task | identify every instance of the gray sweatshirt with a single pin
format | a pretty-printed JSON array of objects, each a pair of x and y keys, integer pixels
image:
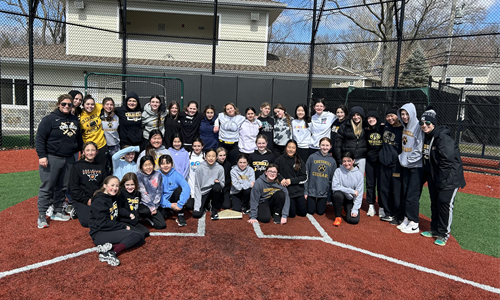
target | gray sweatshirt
[
  {"x": 241, "y": 179},
  {"x": 348, "y": 182},
  {"x": 413, "y": 139},
  {"x": 204, "y": 179},
  {"x": 262, "y": 191},
  {"x": 150, "y": 121},
  {"x": 319, "y": 171}
]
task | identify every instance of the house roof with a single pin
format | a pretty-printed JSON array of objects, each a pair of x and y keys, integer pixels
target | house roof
[
  {"x": 462, "y": 71},
  {"x": 56, "y": 54},
  {"x": 362, "y": 74}
]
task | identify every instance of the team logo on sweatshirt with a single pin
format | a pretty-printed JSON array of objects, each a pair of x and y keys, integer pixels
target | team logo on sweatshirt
[
  {"x": 92, "y": 174},
  {"x": 68, "y": 128},
  {"x": 133, "y": 203},
  {"x": 113, "y": 211},
  {"x": 321, "y": 168},
  {"x": 133, "y": 116},
  {"x": 375, "y": 139},
  {"x": 405, "y": 140}
]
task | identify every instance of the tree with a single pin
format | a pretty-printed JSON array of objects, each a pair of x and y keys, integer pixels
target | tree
[{"x": 416, "y": 70}]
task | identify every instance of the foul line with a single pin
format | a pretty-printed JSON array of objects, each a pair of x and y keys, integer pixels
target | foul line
[
  {"x": 200, "y": 232},
  {"x": 327, "y": 239}
]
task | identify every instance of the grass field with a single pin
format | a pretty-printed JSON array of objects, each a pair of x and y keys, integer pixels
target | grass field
[
  {"x": 10, "y": 141},
  {"x": 475, "y": 224}
]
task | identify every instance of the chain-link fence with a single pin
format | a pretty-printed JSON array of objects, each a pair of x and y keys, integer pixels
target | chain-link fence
[{"x": 47, "y": 48}]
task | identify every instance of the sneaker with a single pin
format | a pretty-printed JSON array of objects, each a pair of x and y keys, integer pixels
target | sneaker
[
  {"x": 214, "y": 215},
  {"x": 50, "y": 211},
  {"x": 42, "y": 222},
  {"x": 386, "y": 218},
  {"x": 395, "y": 221},
  {"x": 403, "y": 224},
  {"x": 71, "y": 211},
  {"x": 429, "y": 233},
  {"x": 337, "y": 221},
  {"x": 59, "y": 216},
  {"x": 150, "y": 221},
  {"x": 110, "y": 258},
  {"x": 104, "y": 247},
  {"x": 245, "y": 210},
  {"x": 329, "y": 203},
  {"x": 412, "y": 227},
  {"x": 371, "y": 210},
  {"x": 181, "y": 221},
  {"x": 277, "y": 218},
  {"x": 381, "y": 212},
  {"x": 440, "y": 241}
]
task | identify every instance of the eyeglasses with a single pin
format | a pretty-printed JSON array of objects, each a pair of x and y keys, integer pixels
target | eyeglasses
[
  {"x": 63, "y": 104},
  {"x": 272, "y": 172},
  {"x": 428, "y": 123}
]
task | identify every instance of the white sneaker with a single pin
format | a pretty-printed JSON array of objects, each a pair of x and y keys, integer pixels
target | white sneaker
[
  {"x": 50, "y": 211},
  {"x": 412, "y": 227},
  {"x": 403, "y": 224},
  {"x": 381, "y": 212},
  {"x": 371, "y": 210}
]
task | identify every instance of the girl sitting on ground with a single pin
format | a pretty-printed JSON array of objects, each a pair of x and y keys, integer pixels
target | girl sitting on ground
[
  {"x": 122, "y": 166},
  {"x": 242, "y": 179},
  {"x": 222, "y": 160},
  {"x": 110, "y": 236},
  {"x": 179, "y": 155},
  {"x": 86, "y": 177},
  {"x": 269, "y": 199},
  {"x": 155, "y": 148},
  {"x": 347, "y": 187},
  {"x": 128, "y": 203},
  {"x": 150, "y": 186}
]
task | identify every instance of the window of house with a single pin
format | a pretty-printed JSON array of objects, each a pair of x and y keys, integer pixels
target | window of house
[
  {"x": 170, "y": 27},
  {"x": 337, "y": 83},
  {"x": 448, "y": 80},
  {"x": 351, "y": 82},
  {"x": 469, "y": 80},
  {"x": 374, "y": 84},
  {"x": 14, "y": 91}
]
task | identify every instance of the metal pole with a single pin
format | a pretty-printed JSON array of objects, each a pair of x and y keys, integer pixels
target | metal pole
[
  {"x": 214, "y": 37},
  {"x": 31, "y": 20},
  {"x": 400, "y": 38},
  {"x": 124, "y": 48},
  {"x": 311, "y": 56},
  {"x": 450, "y": 40}
]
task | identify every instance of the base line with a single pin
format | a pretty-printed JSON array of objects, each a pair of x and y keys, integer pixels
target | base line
[{"x": 200, "y": 232}]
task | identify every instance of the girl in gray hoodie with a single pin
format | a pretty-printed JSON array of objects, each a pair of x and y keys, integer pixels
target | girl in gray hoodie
[{"x": 242, "y": 179}]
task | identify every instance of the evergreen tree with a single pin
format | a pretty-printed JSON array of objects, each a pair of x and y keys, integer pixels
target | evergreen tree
[{"x": 416, "y": 70}]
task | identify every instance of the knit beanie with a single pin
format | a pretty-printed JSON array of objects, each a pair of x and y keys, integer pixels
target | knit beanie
[
  {"x": 73, "y": 93},
  {"x": 429, "y": 115},
  {"x": 392, "y": 110}
]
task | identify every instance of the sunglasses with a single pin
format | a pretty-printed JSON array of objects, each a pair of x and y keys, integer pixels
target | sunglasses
[
  {"x": 428, "y": 123},
  {"x": 63, "y": 104}
]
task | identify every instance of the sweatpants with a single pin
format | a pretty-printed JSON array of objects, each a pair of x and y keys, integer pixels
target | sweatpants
[
  {"x": 241, "y": 199},
  {"x": 303, "y": 153},
  {"x": 372, "y": 171},
  {"x": 272, "y": 205},
  {"x": 82, "y": 213},
  {"x": 316, "y": 205},
  {"x": 217, "y": 200},
  {"x": 339, "y": 200},
  {"x": 140, "y": 228},
  {"x": 442, "y": 203},
  {"x": 413, "y": 181},
  {"x": 55, "y": 179},
  {"x": 129, "y": 238},
  {"x": 391, "y": 191},
  {"x": 298, "y": 207},
  {"x": 158, "y": 219}
]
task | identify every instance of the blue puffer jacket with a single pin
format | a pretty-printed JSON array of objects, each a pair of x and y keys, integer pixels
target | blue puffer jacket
[{"x": 210, "y": 139}]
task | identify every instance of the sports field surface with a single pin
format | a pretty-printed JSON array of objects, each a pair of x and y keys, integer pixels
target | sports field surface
[{"x": 307, "y": 258}]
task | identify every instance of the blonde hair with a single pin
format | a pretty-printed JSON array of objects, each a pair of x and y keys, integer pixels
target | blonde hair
[
  {"x": 236, "y": 110},
  {"x": 264, "y": 104},
  {"x": 287, "y": 116}
]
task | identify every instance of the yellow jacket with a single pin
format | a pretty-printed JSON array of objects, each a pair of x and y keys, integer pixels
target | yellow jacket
[{"x": 91, "y": 126}]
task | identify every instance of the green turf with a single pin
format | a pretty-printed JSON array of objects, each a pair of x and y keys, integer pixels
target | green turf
[
  {"x": 11, "y": 141},
  {"x": 17, "y": 187}
]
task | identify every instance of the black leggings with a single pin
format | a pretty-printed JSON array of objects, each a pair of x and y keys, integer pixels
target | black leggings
[
  {"x": 140, "y": 228},
  {"x": 272, "y": 205},
  {"x": 129, "y": 238},
  {"x": 316, "y": 205},
  {"x": 340, "y": 200},
  {"x": 297, "y": 207},
  {"x": 158, "y": 219},
  {"x": 82, "y": 212},
  {"x": 217, "y": 199},
  {"x": 241, "y": 199}
]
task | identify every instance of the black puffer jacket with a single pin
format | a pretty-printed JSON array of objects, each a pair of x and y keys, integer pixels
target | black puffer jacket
[
  {"x": 441, "y": 159},
  {"x": 346, "y": 140}
]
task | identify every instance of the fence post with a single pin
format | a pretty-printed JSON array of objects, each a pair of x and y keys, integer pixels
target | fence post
[
  {"x": 214, "y": 37},
  {"x": 311, "y": 55},
  {"x": 32, "y": 10},
  {"x": 400, "y": 38},
  {"x": 124, "y": 48}
]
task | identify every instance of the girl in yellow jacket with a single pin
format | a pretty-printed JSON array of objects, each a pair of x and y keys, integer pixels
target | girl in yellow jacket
[{"x": 92, "y": 131}]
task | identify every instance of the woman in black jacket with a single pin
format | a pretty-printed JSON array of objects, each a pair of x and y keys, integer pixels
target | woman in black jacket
[
  {"x": 351, "y": 137},
  {"x": 293, "y": 176},
  {"x": 373, "y": 133},
  {"x": 444, "y": 172}
]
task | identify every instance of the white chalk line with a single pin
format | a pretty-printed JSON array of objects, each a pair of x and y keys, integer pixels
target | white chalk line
[
  {"x": 327, "y": 239},
  {"x": 199, "y": 232}
]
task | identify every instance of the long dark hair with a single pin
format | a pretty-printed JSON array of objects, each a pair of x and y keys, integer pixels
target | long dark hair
[
  {"x": 150, "y": 150},
  {"x": 159, "y": 112},
  {"x": 144, "y": 159},
  {"x": 176, "y": 136},
  {"x": 297, "y": 159},
  {"x": 350, "y": 155},
  {"x": 130, "y": 176},
  {"x": 172, "y": 103},
  {"x": 306, "y": 116},
  {"x": 104, "y": 101},
  {"x": 199, "y": 140},
  {"x": 272, "y": 165},
  {"x": 287, "y": 116}
]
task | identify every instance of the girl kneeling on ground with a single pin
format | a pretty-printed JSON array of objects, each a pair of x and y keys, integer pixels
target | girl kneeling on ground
[
  {"x": 150, "y": 186},
  {"x": 242, "y": 179},
  {"x": 110, "y": 236},
  {"x": 269, "y": 199},
  {"x": 347, "y": 186},
  {"x": 128, "y": 203}
]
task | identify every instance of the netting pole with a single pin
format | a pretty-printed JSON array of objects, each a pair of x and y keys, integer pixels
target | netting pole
[
  {"x": 31, "y": 20},
  {"x": 399, "y": 29},
  {"x": 124, "y": 48},
  {"x": 1, "y": 122},
  {"x": 214, "y": 37},
  {"x": 311, "y": 55}
]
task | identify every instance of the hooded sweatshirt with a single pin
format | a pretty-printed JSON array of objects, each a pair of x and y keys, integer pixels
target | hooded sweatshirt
[
  {"x": 111, "y": 129},
  {"x": 171, "y": 181},
  {"x": 413, "y": 137},
  {"x": 181, "y": 161},
  {"x": 247, "y": 135},
  {"x": 301, "y": 133},
  {"x": 320, "y": 127},
  {"x": 150, "y": 187},
  {"x": 171, "y": 127},
  {"x": 104, "y": 214},
  {"x": 267, "y": 129},
  {"x": 320, "y": 171},
  {"x": 259, "y": 161},
  {"x": 286, "y": 165},
  {"x": 282, "y": 132},
  {"x": 229, "y": 127},
  {"x": 150, "y": 120},
  {"x": 190, "y": 126},
  {"x": 58, "y": 134},
  {"x": 335, "y": 128},
  {"x": 91, "y": 126},
  {"x": 348, "y": 182},
  {"x": 130, "y": 128},
  {"x": 241, "y": 179},
  {"x": 120, "y": 166},
  {"x": 261, "y": 192},
  {"x": 347, "y": 140},
  {"x": 204, "y": 180},
  {"x": 128, "y": 203},
  {"x": 159, "y": 152},
  {"x": 85, "y": 178},
  {"x": 391, "y": 145},
  {"x": 209, "y": 137},
  {"x": 373, "y": 136},
  {"x": 194, "y": 162}
]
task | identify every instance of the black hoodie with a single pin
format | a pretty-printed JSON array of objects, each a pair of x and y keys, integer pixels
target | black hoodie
[
  {"x": 103, "y": 214},
  {"x": 130, "y": 128},
  {"x": 259, "y": 161},
  {"x": 58, "y": 134},
  {"x": 346, "y": 140},
  {"x": 190, "y": 126},
  {"x": 286, "y": 165},
  {"x": 441, "y": 159},
  {"x": 85, "y": 178},
  {"x": 373, "y": 136},
  {"x": 128, "y": 204},
  {"x": 391, "y": 145}
]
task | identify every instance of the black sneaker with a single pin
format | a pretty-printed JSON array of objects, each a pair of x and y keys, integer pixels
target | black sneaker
[
  {"x": 215, "y": 215},
  {"x": 110, "y": 258},
  {"x": 180, "y": 220},
  {"x": 245, "y": 210},
  {"x": 387, "y": 218},
  {"x": 395, "y": 221},
  {"x": 277, "y": 218}
]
